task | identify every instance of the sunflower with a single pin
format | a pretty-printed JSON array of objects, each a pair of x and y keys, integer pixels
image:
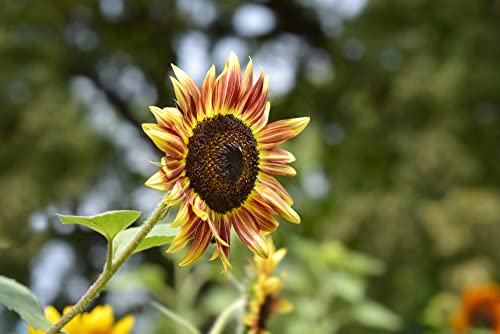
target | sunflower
[
  {"x": 220, "y": 159},
  {"x": 266, "y": 290},
  {"x": 98, "y": 321},
  {"x": 480, "y": 309}
]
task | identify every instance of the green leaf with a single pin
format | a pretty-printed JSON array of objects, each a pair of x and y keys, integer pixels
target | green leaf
[
  {"x": 375, "y": 315},
  {"x": 20, "y": 299},
  {"x": 344, "y": 285},
  {"x": 151, "y": 277},
  {"x": 109, "y": 223},
  {"x": 160, "y": 235}
]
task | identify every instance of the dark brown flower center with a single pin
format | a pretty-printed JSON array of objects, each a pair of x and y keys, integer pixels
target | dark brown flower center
[
  {"x": 483, "y": 317},
  {"x": 265, "y": 311},
  {"x": 222, "y": 162}
]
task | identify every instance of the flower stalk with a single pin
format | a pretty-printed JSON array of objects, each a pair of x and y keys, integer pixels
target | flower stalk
[
  {"x": 226, "y": 315},
  {"x": 111, "y": 267}
]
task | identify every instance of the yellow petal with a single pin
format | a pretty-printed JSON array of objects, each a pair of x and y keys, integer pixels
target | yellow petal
[
  {"x": 75, "y": 326},
  {"x": 52, "y": 314},
  {"x": 124, "y": 326},
  {"x": 99, "y": 320},
  {"x": 31, "y": 330},
  {"x": 159, "y": 181},
  {"x": 182, "y": 216},
  {"x": 200, "y": 207},
  {"x": 282, "y": 306}
]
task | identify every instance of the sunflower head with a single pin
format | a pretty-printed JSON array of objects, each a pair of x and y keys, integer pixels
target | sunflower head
[
  {"x": 480, "y": 308},
  {"x": 265, "y": 299},
  {"x": 220, "y": 159},
  {"x": 98, "y": 321}
]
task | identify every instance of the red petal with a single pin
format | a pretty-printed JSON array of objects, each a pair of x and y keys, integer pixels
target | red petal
[
  {"x": 263, "y": 216},
  {"x": 214, "y": 228},
  {"x": 277, "y": 204},
  {"x": 185, "y": 234},
  {"x": 276, "y": 168},
  {"x": 170, "y": 118},
  {"x": 277, "y": 155},
  {"x": 166, "y": 140},
  {"x": 227, "y": 86},
  {"x": 198, "y": 245},
  {"x": 260, "y": 122},
  {"x": 253, "y": 104},
  {"x": 187, "y": 103},
  {"x": 160, "y": 181},
  {"x": 272, "y": 183},
  {"x": 172, "y": 167},
  {"x": 246, "y": 228},
  {"x": 178, "y": 191},
  {"x": 207, "y": 91},
  {"x": 187, "y": 83},
  {"x": 280, "y": 131},
  {"x": 247, "y": 82}
]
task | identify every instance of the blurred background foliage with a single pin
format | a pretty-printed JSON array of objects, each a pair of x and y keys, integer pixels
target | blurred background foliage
[{"x": 398, "y": 184}]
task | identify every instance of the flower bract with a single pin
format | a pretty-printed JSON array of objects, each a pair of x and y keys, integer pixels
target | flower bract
[{"x": 266, "y": 290}]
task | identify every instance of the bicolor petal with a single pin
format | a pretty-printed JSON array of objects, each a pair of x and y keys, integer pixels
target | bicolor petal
[
  {"x": 246, "y": 228},
  {"x": 280, "y": 131},
  {"x": 279, "y": 205},
  {"x": 198, "y": 245},
  {"x": 277, "y": 168},
  {"x": 166, "y": 140}
]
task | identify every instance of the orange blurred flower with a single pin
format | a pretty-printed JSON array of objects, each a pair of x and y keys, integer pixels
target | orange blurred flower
[{"x": 480, "y": 308}]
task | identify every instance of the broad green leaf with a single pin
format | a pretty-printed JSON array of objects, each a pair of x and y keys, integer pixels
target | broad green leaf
[
  {"x": 109, "y": 223},
  {"x": 160, "y": 235},
  {"x": 20, "y": 299}
]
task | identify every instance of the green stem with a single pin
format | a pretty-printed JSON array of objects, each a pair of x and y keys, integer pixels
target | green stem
[
  {"x": 226, "y": 315},
  {"x": 109, "y": 257},
  {"x": 110, "y": 268},
  {"x": 238, "y": 285},
  {"x": 175, "y": 317}
]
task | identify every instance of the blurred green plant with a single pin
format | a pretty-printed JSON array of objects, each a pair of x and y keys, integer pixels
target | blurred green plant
[{"x": 404, "y": 139}]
